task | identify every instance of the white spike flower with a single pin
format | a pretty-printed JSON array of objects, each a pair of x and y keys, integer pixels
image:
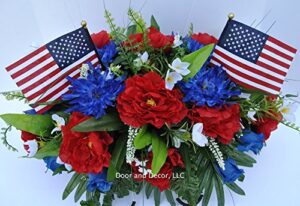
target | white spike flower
[
  {"x": 177, "y": 41},
  {"x": 171, "y": 79},
  {"x": 180, "y": 67},
  {"x": 141, "y": 59},
  {"x": 288, "y": 111}
]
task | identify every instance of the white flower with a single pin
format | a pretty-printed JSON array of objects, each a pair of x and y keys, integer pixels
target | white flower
[
  {"x": 177, "y": 41},
  {"x": 67, "y": 166},
  {"x": 177, "y": 142},
  {"x": 171, "y": 79},
  {"x": 288, "y": 111},
  {"x": 59, "y": 122},
  {"x": 141, "y": 59},
  {"x": 197, "y": 135},
  {"x": 180, "y": 67},
  {"x": 32, "y": 147}
]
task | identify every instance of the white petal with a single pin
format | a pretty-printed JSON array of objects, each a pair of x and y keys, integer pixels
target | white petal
[
  {"x": 68, "y": 167},
  {"x": 176, "y": 62},
  {"x": 59, "y": 161},
  {"x": 32, "y": 147},
  {"x": 197, "y": 135},
  {"x": 144, "y": 57},
  {"x": 59, "y": 120},
  {"x": 177, "y": 142},
  {"x": 56, "y": 129}
]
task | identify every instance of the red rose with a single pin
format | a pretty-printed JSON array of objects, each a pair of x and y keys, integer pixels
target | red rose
[
  {"x": 135, "y": 40},
  {"x": 162, "y": 179},
  {"x": 267, "y": 124},
  {"x": 26, "y": 136},
  {"x": 157, "y": 40},
  {"x": 87, "y": 152},
  {"x": 220, "y": 123},
  {"x": 204, "y": 38},
  {"x": 146, "y": 100},
  {"x": 100, "y": 39}
]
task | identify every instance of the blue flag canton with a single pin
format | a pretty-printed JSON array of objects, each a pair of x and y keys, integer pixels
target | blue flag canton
[
  {"x": 242, "y": 40},
  {"x": 70, "y": 47}
]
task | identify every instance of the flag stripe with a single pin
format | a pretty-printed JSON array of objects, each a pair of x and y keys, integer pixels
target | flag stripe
[
  {"x": 277, "y": 52},
  {"x": 279, "y": 58},
  {"x": 249, "y": 70},
  {"x": 253, "y": 67},
  {"x": 34, "y": 76},
  {"x": 262, "y": 64},
  {"x": 272, "y": 64},
  {"x": 241, "y": 73},
  {"x": 275, "y": 61},
  {"x": 41, "y": 61},
  {"x": 26, "y": 58},
  {"x": 281, "y": 44},
  {"x": 36, "y": 92},
  {"x": 246, "y": 82},
  {"x": 43, "y": 108},
  {"x": 275, "y": 46}
]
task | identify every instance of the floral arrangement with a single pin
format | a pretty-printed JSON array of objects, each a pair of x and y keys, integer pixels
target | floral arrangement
[{"x": 156, "y": 118}]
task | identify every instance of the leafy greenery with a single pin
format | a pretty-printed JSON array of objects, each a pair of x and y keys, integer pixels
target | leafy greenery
[
  {"x": 14, "y": 95},
  {"x": 117, "y": 158},
  {"x": 109, "y": 122},
  {"x": 3, "y": 134},
  {"x": 77, "y": 181},
  {"x": 197, "y": 60},
  {"x": 160, "y": 152},
  {"x": 50, "y": 148},
  {"x": 40, "y": 125}
]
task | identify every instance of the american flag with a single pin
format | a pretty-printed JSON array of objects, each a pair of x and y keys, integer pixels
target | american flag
[
  {"x": 252, "y": 58},
  {"x": 41, "y": 75}
]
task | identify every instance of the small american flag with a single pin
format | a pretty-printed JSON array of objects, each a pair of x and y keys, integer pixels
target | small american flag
[
  {"x": 41, "y": 75},
  {"x": 253, "y": 59}
]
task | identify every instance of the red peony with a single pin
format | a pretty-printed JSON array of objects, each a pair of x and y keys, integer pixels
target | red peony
[
  {"x": 220, "y": 123},
  {"x": 204, "y": 38},
  {"x": 162, "y": 179},
  {"x": 86, "y": 152},
  {"x": 100, "y": 39},
  {"x": 267, "y": 124},
  {"x": 157, "y": 40},
  {"x": 146, "y": 100}
]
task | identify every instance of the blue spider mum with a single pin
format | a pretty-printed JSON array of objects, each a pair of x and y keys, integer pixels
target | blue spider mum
[
  {"x": 192, "y": 44},
  {"x": 210, "y": 86},
  {"x": 91, "y": 96},
  {"x": 108, "y": 52}
]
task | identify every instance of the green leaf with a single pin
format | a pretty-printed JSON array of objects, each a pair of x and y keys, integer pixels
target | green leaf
[
  {"x": 40, "y": 125},
  {"x": 109, "y": 122},
  {"x": 197, "y": 60},
  {"x": 170, "y": 198},
  {"x": 148, "y": 189},
  {"x": 186, "y": 159},
  {"x": 208, "y": 191},
  {"x": 154, "y": 23},
  {"x": 51, "y": 148},
  {"x": 80, "y": 190},
  {"x": 159, "y": 148},
  {"x": 131, "y": 30},
  {"x": 108, "y": 199},
  {"x": 219, "y": 190},
  {"x": 74, "y": 181},
  {"x": 235, "y": 188},
  {"x": 143, "y": 138},
  {"x": 117, "y": 158},
  {"x": 156, "y": 196}
]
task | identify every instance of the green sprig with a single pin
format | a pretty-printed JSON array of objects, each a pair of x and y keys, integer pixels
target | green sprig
[
  {"x": 291, "y": 125},
  {"x": 4, "y": 138}
]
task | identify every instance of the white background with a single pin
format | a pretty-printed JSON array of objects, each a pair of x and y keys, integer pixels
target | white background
[{"x": 275, "y": 178}]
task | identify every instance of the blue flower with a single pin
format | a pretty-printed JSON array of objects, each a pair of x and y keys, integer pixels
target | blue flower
[
  {"x": 210, "y": 86},
  {"x": 251, "y": 141},
  {"x": 192, "y": 44},
  {"x": 98, "y": 181},
  {"x": 51, "y": 163},
  {"x": 107, "y": 53},
  {"x": 93, "y": 95},
  {"x": 231, "y": 172}
]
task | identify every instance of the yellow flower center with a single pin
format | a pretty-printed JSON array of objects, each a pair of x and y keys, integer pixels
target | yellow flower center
[
  {"x": 90, "y": 144},
  {"x": 170, "y": 79},
  {"x": 151, "y": 102},
  {"x": 285, "y": 110}
]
